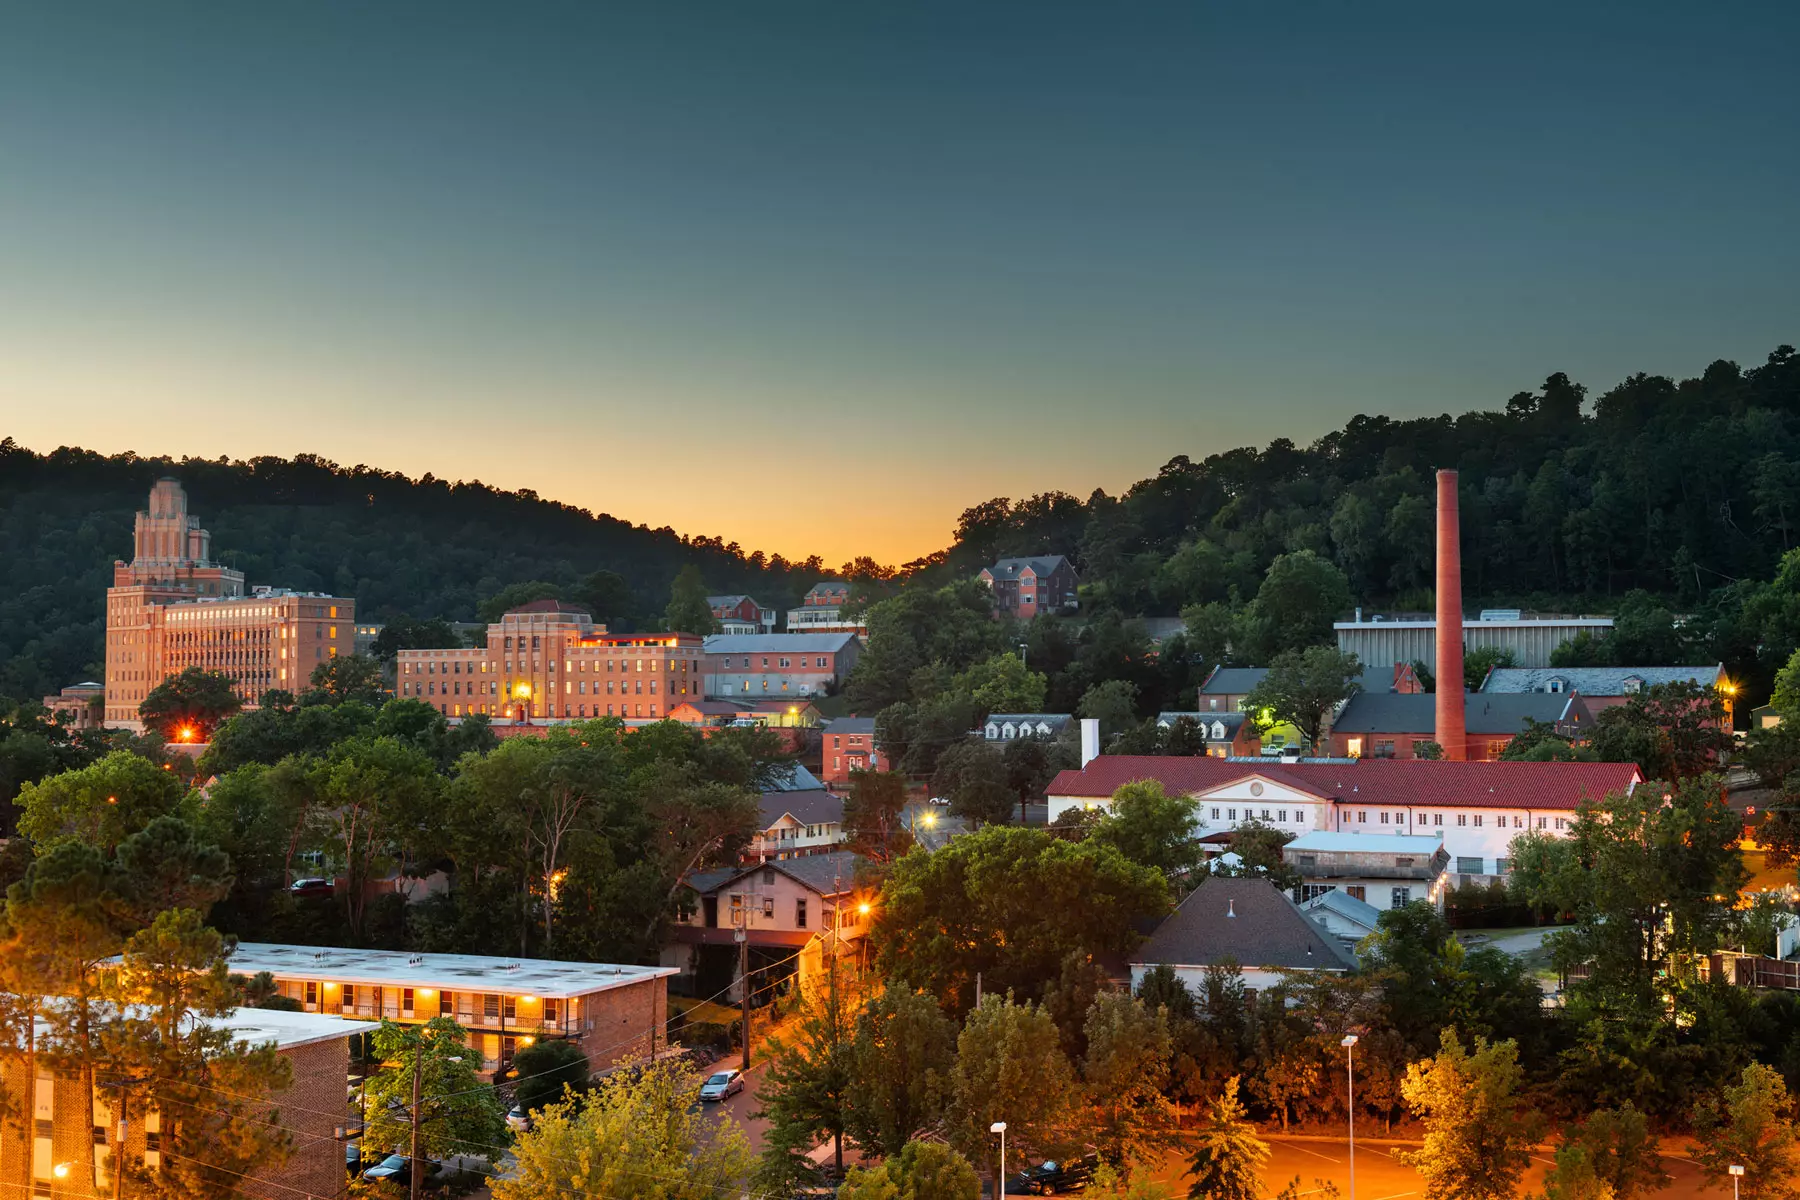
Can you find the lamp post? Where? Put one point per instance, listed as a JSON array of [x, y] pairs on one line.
[[1349, 1045], [999, 1127], [1024, 655], [1736, 1172]]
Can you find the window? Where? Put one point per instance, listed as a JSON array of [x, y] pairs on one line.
[[1400, 897], [1384, 749], [1215, 815], [1309, 860], [1518, 822], [1478, 820], [1502, 865], [1543, 822], [1265, 813], [1466, 865], [1281, 815], [800, 913], [1362, 818], [768, 906], [490, 1006], [1384, 818], [312, 993], [1462, 818], [1403, 861], [1231, 814], [552, 1011], [509, 1008], [1356, 891], [1438, 819], [349, 1004], [406, 1002]]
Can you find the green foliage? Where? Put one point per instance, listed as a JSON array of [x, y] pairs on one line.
[[1001, 683], [1009, 904], [546, 1068], [407, 633], [688, 610], [1126, 1073], [1228, 1157], [899, 1069], [1479, 660], [1479, 1129], [100, 804], [186, 707], [972, 775], [349, 677], [1300, 597], [921, 1171], [1672, 731], [1009, 1061], [461, 1115], [1614, 1148], [951, 626], [804, 1089], [1538, 741], [1751, 1124], [1151, 827], [1113, 703], [1259, 845], [1302, 687], [516, 595], [636, 1135], [872, 816]]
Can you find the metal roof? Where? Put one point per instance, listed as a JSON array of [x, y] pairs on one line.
[[1594, 681], [446, 972], [1389, 712], [778, 643], [1232, 681]]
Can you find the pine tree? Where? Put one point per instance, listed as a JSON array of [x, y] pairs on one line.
[[1228, 1156]]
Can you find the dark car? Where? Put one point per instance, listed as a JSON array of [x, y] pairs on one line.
[[1052, 1176], [310, 889], [397, 1168]]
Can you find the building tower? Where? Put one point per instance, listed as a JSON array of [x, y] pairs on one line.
[[1448, 727]]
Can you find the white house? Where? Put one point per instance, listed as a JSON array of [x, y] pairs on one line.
[[1248, 922], [1005, 727]]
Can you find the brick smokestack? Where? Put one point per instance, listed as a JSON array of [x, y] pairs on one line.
[[1449, 725]]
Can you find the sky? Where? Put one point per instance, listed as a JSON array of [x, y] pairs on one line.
[[815, 277]]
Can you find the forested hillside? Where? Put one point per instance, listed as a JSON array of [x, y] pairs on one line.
[[425, 547]]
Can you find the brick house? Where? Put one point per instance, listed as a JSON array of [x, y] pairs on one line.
[[1390, 725], [1602, 688], [849, 745], [1025, 587], [821, 610], [771, 666], [741, 614], [1224, 733]]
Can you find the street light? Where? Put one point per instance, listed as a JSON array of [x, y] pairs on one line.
[[1736, 1172], [1349, 1045], [999, 1127], [1024, 655]]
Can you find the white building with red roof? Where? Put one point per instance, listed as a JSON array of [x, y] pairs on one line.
[[1476, 807]]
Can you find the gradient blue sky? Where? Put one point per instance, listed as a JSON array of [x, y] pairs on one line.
[[815, 277]]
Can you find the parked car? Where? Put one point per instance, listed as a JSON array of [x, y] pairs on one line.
[[310, 889], [397, 1168], [517, 1119], [721, 1084], [1051, 1177], [353, 1159]]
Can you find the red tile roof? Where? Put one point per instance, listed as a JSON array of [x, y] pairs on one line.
[[1398, 782]]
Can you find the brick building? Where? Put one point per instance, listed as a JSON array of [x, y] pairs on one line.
[[741, 614], [612, 1012], [171, 607], [78, 706], [849, 745], [1025, 587], [68, 1122], [821, 610], [1391, 725], [548, 660], [762, 666]]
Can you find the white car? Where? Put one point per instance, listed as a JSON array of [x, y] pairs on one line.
[[517, 1119], [721, 1084]]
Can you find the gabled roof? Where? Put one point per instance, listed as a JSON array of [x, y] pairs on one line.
[[1345, 905], [813, 807], [828, 587], [792, 777], [825, 874], [1388, 712], [851, 725], [1055, 719], [1041, 565], [1393, 781], [777, 643], [1594, 681], [1249, 921], [1232, 681], [1232, 721]]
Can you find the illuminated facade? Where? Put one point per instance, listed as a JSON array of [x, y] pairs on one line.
[[171, 607], [548, 661]]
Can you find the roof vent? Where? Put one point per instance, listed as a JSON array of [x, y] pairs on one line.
[[415, 960], [513, 966], [1230, 907]]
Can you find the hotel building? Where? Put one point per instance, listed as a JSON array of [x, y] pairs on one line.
[[171, 607], [548, 660], [614, 1013]]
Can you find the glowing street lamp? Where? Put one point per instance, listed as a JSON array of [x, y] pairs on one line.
[[1736, 1172], [1349, 1045], [999, 1127]]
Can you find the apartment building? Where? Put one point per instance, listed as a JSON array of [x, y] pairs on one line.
[[69, 1121], [1025, 587], [821, 611], [171, 607], [849, 745], [614, 1013], [741, 614], [548, 661], [773, 665]]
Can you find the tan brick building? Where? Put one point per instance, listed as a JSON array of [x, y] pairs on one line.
[[612, 1012], [171, 607], [49, 1157], [549, 660]]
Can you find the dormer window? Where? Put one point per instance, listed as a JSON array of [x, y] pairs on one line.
[[1633, 685], [1557, 686]]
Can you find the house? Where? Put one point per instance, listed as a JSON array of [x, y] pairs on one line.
[[849, 745], [797, 821], [1025, 587], [795, 914], [822, 611], [1602, 688], [1006, 727], [1765, 716], [613, 1012], [775, 665], [79, 706], [1476, 807], [1223, 734], [71, 1117], [741, 614], [1246, 922], [1343, 915], [771, 713], [1388, 870], [1225, 688], [1385, 725]]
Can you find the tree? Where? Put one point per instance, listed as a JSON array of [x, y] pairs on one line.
[[1751, 1124], [187, 707], [1673, 731], [166, 866], [405, 633], [458, 1113], [1302, 687], [1031, 763], [1228, 1157], [1300, 597], [350, 677], [1151, 827], [872, 812], [1113, 703], [899, 1069], [374, 796], [1001, 683], [952, 626], [1617, 1149], [1478, 1129], [545, 1069], [972, 775], [1009, 1060], [1259, 846], [1126, 1072], [1008, 904], [608, 597], [803, 1090], [1478, 661], [101, 804], [921, 1171], [516, 595], [688, 609], [636, 1135]]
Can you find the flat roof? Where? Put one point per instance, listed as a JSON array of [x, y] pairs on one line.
[[446, 972], [262, 1026], [1369, 843]]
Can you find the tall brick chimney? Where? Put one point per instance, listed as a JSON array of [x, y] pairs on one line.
[[1449, 730]]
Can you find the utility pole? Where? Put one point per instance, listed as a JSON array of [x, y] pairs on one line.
[[416, 1176], [743, 941]]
